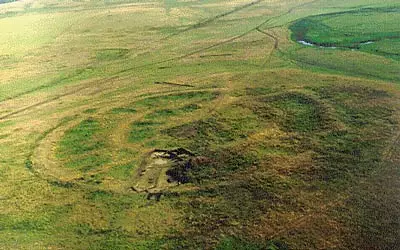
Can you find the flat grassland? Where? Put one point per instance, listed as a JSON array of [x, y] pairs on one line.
[[290, 146]]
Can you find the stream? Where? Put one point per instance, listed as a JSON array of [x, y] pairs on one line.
[[328, 47]]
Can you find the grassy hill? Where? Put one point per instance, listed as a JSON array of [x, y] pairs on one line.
[[199, 124]]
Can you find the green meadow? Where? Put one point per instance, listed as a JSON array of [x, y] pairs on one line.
[[171, 124]]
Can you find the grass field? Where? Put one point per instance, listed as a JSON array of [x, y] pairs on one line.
[[199, 124]]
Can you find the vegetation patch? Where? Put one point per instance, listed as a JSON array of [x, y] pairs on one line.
[[87, 162], [111, 54], [165, 113], [347, 62], [352, 29], [229, 205], [6, 124], [162, 113], [3, 136], [43, 221], [388, 47], [298, 112], [219, 130], [190, 108], [161, 101], [257, 91], [123, 172], [90, 111], [7, 1], [80, 147], [338, 124], [80, 139], [142, 130], [104, 238], [239, 244], [354, 150], [123, 110]]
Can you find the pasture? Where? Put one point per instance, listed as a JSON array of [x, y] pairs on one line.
[[168, 124]]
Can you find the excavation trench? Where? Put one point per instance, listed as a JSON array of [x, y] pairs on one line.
[[163, 169]]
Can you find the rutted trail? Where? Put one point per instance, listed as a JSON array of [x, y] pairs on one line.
[[117, 74], [212, 19]]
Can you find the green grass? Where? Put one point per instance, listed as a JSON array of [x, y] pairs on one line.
[[340, 156], [90, 111], [123, 172], [79, 139], [225, 128], [142, 130], [6, 1], [79, 148], [346, 62], [349, 29], [294, 146], [6, 124], [301, 113], [158, 114], [388, 48], [111, 54], [123, 110], [176, 98], [237, 244], [165, 113]]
